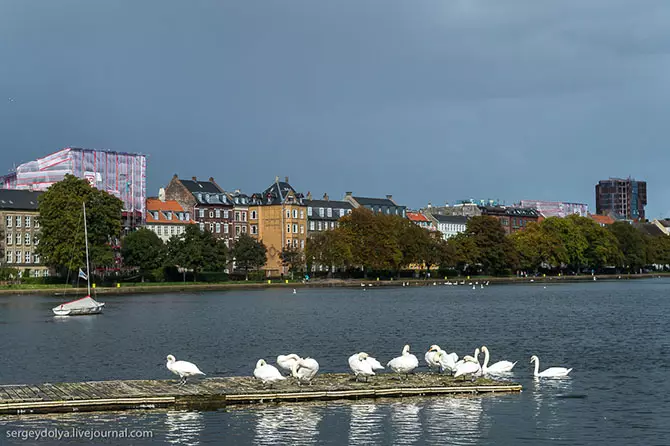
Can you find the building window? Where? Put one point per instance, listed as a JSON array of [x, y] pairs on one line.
[[218, 228], [27, 221], [341, 212], [253, 215], [321, 212], [37, 222], [295, 242], [244, 229], [211, 227], [237, 216], [18, 221], [225, 228], [295, 228], [302, 244], [202, 226], [10, 238], [311, 225], [288, 213], [319, 225], [27, 256], [10, 257], [211, 214], [36, 258], [19, 238], [35, 272], [288, 242], [8, 221], [27, 239], [238, 229], [225, 214], [332, 225], [218, 213], [159, 230], [17, 256], [302, 214], [288, 229], [302, 229], [201, 213], [309, 211], [329, 212], [244, 216], [254, 229], [295, 213]]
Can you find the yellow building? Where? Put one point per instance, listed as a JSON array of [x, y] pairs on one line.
[[277, 217]]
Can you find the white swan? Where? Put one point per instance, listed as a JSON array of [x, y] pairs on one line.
[[498, 367], [431, 357], [405, 363], [285, 362], [469, 366], [266, 372], [183, 369], [364, 365], [551, 372], [305, 369], [447, 361]]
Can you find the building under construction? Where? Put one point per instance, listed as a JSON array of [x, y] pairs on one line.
[[118, 173]]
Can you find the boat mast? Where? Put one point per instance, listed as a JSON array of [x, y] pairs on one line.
[[88, 279]]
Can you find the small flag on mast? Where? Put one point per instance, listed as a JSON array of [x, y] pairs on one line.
[[82, 274]]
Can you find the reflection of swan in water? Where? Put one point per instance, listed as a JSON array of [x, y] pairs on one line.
[[183, 428], [288, 424], [366, 424], [405, 422], [549, 395], [452, 418]]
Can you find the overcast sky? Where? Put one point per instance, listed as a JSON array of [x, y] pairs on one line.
[[426, 100]]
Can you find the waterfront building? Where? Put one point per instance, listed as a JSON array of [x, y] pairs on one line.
[[166, 218], [324, 214], [512, 219], [385, 206], [278, 218], [622, 196], [208, 204], [420, 219], [19, 220], [118, 173], [602, 220], [449, 225], [464, 209], [555, 208]]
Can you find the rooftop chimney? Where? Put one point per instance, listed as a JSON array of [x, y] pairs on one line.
[[194, 178], [325, 197], [211, 179], [161, 194], [309, 195], [286, 179], [276, 179], [347, 194], [429, 205], [175, 176], [237, 191], [389, 197]]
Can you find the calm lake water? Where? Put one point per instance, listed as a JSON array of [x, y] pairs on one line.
[[614, 334]]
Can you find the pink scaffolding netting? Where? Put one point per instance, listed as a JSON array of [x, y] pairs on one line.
[[120, 174]]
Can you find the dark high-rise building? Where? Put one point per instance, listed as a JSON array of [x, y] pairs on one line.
[[624, 197]]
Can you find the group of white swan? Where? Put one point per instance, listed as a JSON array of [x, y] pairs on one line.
[[364, 365]]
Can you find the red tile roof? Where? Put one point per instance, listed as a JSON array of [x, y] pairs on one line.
[[602, 219], [416, 216], [163, 207]]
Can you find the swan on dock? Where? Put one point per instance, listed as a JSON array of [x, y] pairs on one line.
[[286, 362], [403, 364], [364, 365], [183, 369], [305, 369], [267, 372]]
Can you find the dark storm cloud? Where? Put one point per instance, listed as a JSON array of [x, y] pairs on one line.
[[429, 101]]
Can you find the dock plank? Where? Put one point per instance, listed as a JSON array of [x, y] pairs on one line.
[[212, 393]]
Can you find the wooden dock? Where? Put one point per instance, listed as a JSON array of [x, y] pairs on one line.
[[215, 393]]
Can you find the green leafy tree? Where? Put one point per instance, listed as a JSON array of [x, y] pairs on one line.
[[631, 244], [494, 250], [331, 249], [197, 251], [538, 247], [573, 241], [293, 258], [62, 243], [144, 250], [248, 253], [602, 246], [658, 250]]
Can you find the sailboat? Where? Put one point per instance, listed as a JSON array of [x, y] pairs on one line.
[[85, 305]]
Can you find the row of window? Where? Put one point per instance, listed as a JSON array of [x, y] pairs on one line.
[[216, 228], [295, 228], [167, 229], [323, 212], [295, 243], [321, 225], [20, 221], [216, 213], [20, 238], [181, 216], [451, 227], [22, 257]]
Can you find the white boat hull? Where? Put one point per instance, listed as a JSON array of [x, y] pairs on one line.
[[80, 307]]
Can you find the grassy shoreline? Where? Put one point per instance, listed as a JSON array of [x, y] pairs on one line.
[[157, 288]]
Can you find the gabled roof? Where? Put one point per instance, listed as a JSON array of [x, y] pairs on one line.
[[602, 219], [335, 204], [451, 219], [367, 201], [20, 200], [164, 207], [194, 186], [417, 217], [649, 229], [277, 193]]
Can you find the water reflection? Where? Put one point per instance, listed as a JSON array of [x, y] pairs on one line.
[[184, 428], [453, 420], [549, 397], [295, 425], [406, 423], [365, 425]]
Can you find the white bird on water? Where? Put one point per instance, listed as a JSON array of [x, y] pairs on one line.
[[364, 365], [183, 369], [294, 291], [267, 373], [286, 362], [551, 372], [405, 363], [498, 367], [305, 369]]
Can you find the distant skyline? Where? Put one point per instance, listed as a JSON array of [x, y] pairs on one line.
[[427, 101]]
